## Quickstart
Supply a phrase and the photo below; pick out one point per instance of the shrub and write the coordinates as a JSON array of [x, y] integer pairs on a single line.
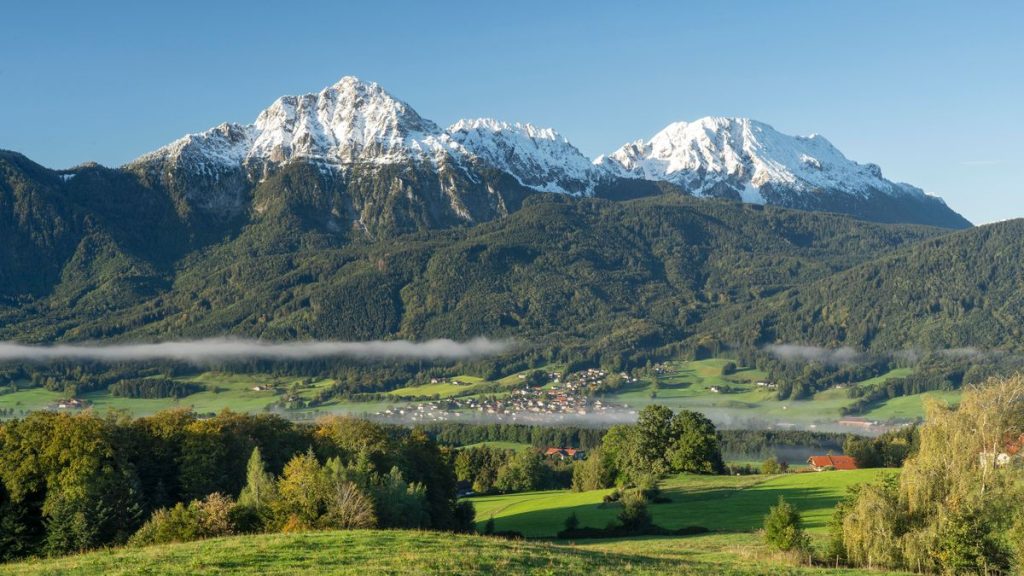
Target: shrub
[[634, 516], [465, 517], [965, 545], [348, 508], [593, 473], [782, 528], [771, 466], [206, 518], [572, 522]]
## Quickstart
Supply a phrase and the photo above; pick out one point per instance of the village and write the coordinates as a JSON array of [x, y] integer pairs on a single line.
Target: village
[[573, 398]]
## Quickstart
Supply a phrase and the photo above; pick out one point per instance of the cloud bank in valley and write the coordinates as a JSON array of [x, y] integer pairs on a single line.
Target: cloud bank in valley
[[226, 349], [833, 356]]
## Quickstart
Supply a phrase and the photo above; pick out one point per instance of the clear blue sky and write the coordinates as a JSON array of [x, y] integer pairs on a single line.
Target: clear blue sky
[[931, 91]]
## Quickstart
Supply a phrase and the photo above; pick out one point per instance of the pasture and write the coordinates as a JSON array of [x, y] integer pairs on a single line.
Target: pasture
[[718, 503]]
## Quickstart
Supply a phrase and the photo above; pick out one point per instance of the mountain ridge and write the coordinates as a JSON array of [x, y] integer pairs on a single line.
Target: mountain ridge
[[354, 122]]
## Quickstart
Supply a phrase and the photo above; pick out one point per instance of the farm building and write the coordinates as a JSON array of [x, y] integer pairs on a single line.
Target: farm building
[[565, 453], [830, 462]]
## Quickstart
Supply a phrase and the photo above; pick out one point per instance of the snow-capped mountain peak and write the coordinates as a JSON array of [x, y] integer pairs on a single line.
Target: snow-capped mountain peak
[[464, 170], [716, 154], [540, 158], [348, 122]]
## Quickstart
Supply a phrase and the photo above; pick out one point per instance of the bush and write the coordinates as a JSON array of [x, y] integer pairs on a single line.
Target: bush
[[572, 522], [594, 473], [965, 545], [782, 528], [348, 508], [206, 518], [465, 517], [634, 516]]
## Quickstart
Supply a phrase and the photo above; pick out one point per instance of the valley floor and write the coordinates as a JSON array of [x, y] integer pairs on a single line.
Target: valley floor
[[690, 385]]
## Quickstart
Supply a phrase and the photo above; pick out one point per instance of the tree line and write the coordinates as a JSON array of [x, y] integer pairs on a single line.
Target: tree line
[[74, 482]]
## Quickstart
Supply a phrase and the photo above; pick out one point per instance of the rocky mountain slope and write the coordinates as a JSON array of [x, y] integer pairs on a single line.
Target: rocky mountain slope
[[747, 160], [394, 160]]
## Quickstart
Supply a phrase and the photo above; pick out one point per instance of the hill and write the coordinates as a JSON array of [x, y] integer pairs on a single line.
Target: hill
[[959, 292], [732, 505], [610, 275], [400, 552]]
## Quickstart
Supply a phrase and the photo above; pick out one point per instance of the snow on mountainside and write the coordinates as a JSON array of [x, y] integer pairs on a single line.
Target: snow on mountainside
[[714, 155], [354, 121], [358, 123], [351, 121], [538, 157]]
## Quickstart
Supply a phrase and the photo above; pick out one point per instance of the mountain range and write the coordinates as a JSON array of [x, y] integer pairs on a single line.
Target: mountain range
[[345, 214], [424, 175]]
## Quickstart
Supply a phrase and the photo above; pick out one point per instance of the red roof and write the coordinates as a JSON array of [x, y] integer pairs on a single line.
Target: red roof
[[837, 462]]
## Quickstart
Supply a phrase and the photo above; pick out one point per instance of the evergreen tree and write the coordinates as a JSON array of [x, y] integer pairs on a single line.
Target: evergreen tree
[[782, 529]]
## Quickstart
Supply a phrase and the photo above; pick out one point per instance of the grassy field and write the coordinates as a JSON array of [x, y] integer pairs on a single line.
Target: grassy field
[[397, 552], [224, 390], [460, 386], [517, 446], [906, 407], [719, 503]]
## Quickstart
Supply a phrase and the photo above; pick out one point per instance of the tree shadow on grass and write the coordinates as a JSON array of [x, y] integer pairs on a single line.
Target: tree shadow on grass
[[717, 509]]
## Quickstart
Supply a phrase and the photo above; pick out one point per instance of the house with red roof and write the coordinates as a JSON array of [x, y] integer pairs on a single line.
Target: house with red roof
[[830, 462], [565, 453]]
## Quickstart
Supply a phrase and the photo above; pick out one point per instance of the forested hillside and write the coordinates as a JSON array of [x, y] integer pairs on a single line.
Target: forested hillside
[[958, 291], [609, 276], [100, 254]]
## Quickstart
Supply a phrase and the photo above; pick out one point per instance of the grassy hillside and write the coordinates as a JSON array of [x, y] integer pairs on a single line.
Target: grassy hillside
[[689, 385], [731, 506], [407, 553], [224, 390]]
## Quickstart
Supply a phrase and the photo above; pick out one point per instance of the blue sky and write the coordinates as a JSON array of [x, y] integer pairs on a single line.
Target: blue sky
[[931, 91]]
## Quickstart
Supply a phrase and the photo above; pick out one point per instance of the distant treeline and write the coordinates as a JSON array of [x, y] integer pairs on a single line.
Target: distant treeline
[[154, 388], [459, 434], [759, 443], [762, 443]]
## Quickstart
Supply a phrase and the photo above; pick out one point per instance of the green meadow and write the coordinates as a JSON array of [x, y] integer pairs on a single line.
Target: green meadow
[[224, 391], [718, 503], [408, 553]]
